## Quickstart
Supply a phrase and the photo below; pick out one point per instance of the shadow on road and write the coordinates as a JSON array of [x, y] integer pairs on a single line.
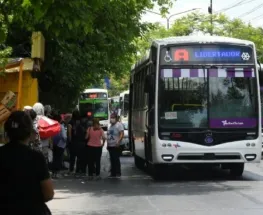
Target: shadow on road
[[135, 182]]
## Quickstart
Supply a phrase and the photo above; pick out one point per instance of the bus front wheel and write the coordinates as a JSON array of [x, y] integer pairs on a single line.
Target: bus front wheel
[[237, 169]]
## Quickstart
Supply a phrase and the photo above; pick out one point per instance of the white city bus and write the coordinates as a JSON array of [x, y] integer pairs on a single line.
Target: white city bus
[[114, 104], [196, 100], [94, 103], [124, 106]]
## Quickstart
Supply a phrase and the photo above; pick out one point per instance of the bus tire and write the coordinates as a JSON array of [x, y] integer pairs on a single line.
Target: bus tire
[[139, 162], [237, 169]]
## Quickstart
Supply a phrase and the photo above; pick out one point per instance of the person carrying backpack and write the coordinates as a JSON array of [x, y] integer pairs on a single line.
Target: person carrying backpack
[[35, 139], [44, 143], [59, 145]]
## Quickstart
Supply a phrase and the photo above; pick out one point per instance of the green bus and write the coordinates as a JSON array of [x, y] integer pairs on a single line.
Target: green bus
[[94, 103]]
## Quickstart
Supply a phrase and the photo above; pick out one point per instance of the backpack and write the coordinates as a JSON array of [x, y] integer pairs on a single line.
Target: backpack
[[47, 127]]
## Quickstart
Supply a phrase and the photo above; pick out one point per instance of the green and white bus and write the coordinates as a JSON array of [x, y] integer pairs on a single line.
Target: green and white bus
[[124, 105], [94, 103], [114, 104]]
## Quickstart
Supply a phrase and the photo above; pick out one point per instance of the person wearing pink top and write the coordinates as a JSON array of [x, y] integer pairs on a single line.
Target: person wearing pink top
[[96, 140]]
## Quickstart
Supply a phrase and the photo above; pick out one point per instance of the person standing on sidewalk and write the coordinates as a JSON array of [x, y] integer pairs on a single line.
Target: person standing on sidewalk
[[59, 145], [96, 140], [114, 137], [44, 143], [76, 139], [25, 183]]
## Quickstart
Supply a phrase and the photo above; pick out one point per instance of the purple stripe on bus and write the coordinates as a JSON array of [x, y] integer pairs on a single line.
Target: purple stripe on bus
[[230, 73], [213, 73], [177, 73], [248, 70], [194, 73], [233, 122], [248, 74]]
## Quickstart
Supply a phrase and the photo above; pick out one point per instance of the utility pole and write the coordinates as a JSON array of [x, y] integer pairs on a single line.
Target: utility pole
[[210, 11]]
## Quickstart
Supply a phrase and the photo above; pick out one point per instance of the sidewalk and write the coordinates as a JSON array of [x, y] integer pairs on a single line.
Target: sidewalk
[[105, 164]]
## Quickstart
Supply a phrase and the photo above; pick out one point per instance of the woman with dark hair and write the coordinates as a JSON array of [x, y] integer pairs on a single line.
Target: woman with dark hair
[[48, 111], [96, 140], [25, 183], [76, 139]]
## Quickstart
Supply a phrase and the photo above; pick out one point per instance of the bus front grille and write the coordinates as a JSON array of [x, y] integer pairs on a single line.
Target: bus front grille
[[208, 156]]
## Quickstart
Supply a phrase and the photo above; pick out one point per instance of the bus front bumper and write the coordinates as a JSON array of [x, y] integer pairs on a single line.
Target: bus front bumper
[[234, 152]]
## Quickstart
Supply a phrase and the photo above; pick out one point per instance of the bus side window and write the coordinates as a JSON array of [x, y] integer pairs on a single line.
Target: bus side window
[[151, 95], [152, 73]]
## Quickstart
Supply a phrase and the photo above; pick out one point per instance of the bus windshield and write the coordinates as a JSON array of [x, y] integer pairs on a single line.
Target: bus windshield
[[97, 108], [101, 108], [226, 98]]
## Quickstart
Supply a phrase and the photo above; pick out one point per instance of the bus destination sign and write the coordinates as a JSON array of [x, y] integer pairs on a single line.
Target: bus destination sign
[[207, 54], [94, 96]]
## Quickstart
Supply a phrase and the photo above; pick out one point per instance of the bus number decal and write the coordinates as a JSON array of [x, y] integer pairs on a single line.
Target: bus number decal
[[181, 55], [170, 115]]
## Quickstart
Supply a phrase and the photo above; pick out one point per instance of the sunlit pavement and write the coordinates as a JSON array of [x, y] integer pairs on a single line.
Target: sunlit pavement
[[206, 193]]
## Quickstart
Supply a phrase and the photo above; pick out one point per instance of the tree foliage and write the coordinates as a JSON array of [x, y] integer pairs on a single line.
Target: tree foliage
[[85, 40], [118, 85], [198, 23]]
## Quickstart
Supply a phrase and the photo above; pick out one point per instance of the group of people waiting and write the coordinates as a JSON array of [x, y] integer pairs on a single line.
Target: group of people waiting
[[86, 140], [25, 181], [82, 137]]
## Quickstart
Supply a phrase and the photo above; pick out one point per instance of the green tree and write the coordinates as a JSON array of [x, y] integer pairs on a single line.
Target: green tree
[[85, 40], [198, 22], [118, 85]]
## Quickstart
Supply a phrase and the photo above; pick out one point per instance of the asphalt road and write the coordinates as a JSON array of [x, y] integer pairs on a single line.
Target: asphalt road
[[199, 192]]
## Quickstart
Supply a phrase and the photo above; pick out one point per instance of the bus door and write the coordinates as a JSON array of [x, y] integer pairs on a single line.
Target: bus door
[[149, 89], [130, 135]]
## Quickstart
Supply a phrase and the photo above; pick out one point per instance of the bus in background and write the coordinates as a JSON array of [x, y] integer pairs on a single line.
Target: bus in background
[[114, 104], [124, 106], [196, 100], [94, 103], [124, 116]]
